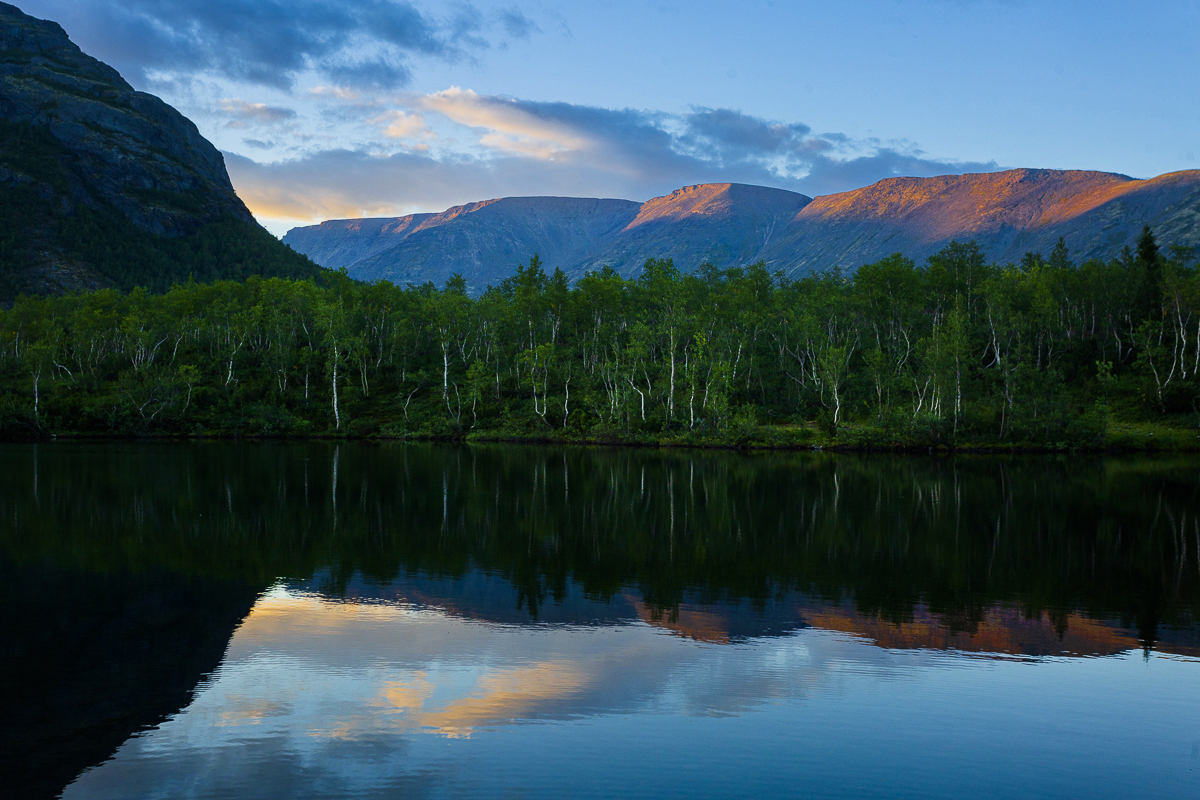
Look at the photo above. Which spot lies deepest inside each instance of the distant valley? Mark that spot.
(1008, 213)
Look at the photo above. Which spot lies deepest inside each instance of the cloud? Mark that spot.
(367, 43)
(244, 114)
(336, 93)
(532, 148)
(397, 124)
(516, 24)
(355, 141)
(374, 73)
(507, 124)
(728, 135)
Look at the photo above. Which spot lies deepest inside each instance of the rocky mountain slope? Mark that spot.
(724, 223)
(1007, 213)
(484, 241)
(102, 185)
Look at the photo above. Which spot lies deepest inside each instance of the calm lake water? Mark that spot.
(382, 621)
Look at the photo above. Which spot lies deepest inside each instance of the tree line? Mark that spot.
(951, 351)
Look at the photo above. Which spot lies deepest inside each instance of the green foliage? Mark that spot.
(952, 353)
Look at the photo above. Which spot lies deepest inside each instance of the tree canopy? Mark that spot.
(952, 351)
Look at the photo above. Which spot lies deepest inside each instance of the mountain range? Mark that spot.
(1007, 213)
(102, 185)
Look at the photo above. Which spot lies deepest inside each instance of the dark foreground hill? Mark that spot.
(101, 185)
(1007, 213)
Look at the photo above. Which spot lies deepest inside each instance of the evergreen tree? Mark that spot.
(1149, 261)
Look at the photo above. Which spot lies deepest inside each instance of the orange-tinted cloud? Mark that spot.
(510, 126)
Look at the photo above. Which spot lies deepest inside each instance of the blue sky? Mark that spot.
(376, 107)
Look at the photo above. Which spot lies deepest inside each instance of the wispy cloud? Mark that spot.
(516, 24)
(506, 124)
(244, 114)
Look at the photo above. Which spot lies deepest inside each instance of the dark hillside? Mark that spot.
(104, 186)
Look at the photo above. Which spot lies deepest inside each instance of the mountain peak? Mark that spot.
(46, 40)
(955, 205)
(719, 200)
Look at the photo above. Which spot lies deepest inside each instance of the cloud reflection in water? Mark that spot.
(370, 698)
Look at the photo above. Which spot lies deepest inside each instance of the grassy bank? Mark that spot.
(1176, 436)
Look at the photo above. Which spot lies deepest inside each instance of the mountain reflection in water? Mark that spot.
(452, 590)
(1001, 630)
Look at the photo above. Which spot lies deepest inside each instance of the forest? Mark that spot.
(954, 352)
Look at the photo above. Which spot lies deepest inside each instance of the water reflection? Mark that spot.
(418, 594)
(325, 698)
(1001, 630)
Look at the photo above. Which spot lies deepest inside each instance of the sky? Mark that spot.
(349, 108)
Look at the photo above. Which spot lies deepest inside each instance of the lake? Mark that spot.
(267, 620)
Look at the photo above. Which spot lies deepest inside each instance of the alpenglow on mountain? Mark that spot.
(102, 185)
(1008, 213)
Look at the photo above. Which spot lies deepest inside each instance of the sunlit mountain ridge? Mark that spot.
(1008, 213)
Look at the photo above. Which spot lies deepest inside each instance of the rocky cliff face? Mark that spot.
(1007, 213)
(81, 149)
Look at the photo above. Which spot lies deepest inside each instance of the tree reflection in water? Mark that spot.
(128, 566)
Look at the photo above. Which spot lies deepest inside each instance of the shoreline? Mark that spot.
(1128, 448)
